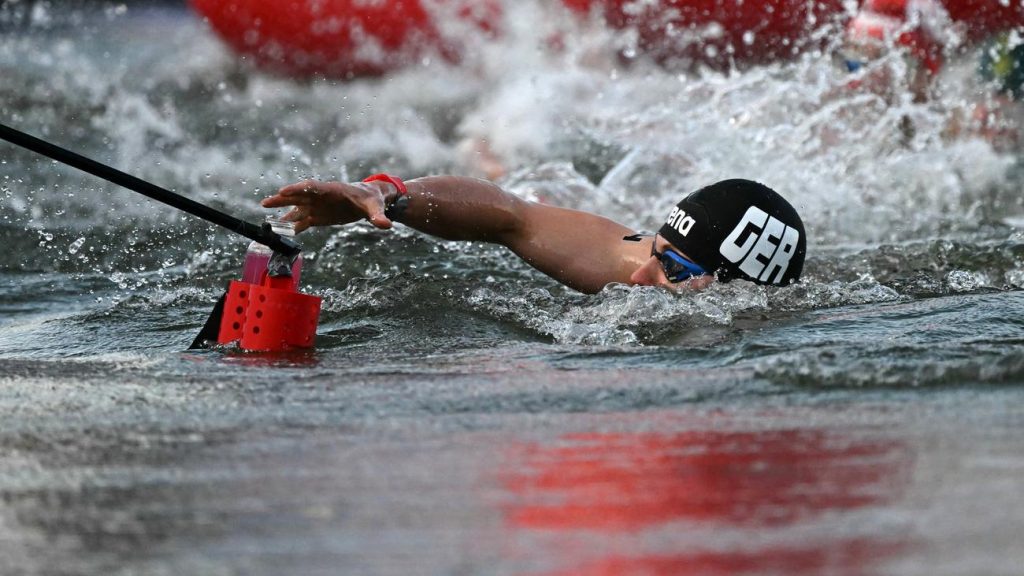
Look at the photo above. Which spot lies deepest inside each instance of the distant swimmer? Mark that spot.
(734, 229)
(921, 29)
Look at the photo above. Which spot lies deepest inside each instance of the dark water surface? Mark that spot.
(462, 414)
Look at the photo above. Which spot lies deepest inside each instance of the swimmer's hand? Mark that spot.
(328, 203)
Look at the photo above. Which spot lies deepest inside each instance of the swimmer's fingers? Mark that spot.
(300, 217)
(380, 220)
(325, 203)
(308, 188)
(299, 194)
(303, 186)
(278, 200)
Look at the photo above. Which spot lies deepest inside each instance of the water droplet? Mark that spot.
(76, 246)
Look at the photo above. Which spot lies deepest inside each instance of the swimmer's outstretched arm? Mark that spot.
(582, 250)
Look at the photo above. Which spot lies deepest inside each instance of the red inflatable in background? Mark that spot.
(341, 38)
(717, 33)
(349, 38)
(983, 18)
(723, 33)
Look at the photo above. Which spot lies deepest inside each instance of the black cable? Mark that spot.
(263, 235)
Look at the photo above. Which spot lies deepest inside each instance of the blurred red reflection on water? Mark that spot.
(616, 486)
(624, 482)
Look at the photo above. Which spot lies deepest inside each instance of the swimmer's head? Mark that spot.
(739, 229)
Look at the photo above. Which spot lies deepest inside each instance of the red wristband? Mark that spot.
(396, 181)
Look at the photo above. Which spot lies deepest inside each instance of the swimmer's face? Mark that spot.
(652, 273)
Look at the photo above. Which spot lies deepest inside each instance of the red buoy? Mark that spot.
(268, 317)
(342, 38)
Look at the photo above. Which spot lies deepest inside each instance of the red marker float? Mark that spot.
(269, 317)
(342, 38)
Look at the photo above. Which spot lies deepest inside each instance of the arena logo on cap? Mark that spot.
(764, 243)
(679, 220)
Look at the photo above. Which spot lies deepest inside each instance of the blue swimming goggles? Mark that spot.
(677, 268)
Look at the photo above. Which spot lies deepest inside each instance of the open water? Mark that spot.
(461, 413)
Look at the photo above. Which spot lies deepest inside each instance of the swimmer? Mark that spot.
(735, 229)
(922, 29)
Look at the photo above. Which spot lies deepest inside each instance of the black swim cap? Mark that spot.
(739, 229)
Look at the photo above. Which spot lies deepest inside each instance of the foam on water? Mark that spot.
(842, 156)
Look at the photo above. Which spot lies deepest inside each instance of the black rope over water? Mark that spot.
(264, 235)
